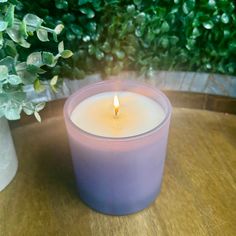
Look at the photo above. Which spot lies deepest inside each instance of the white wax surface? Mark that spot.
(137, 114)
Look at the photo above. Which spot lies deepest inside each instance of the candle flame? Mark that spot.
(116, 105)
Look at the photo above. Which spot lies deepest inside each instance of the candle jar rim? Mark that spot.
(86, 88)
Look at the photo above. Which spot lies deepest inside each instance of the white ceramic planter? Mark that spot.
(8, 159)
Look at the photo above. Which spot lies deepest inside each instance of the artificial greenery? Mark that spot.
(113, 35)
(108, 36)
(21, 64)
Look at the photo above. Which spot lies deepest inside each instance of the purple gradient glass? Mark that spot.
(118, 176)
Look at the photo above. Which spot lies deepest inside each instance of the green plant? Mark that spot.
(20, 63)
(112, 35)
(108, 36)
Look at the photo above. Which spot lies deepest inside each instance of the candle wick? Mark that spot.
(116, 111)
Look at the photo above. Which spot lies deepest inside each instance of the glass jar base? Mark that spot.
(119, 209)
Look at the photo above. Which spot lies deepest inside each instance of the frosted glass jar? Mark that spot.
(118, 176)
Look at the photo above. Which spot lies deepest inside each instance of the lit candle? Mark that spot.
(104, 114)
(116, 105)
(118, 134)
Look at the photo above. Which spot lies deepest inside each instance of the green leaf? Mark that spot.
(14, 79)
(131, 8)
(173, 40)
(68, 17)
(24, 43)
(38, 87)
(53, 81)
(185, 8)
(140, 18)
(99, 54)
(42, 35)
(9, 17)
(3, 72)
(232, 46)
(9, 62)
(10, 48)
(34, 69)
(21, 66)
(119, 54)
(161, 12)
(188, 6)
(77, 30)
(138, 31)
(58, 29)
(106, 47)
(137, 2)
(86, 38)
(18, 96)
(32, 22)
(14, 33)
(40, 106)
(190, 43)
(12, 112)
(2, 1)
(48, 58)
(165, 27)
(88, 12)
(54, 37)
(164, 42)
(211, 4)
(22, 29)
(226, 33)
(109, 58)
(196, 32)
(66, 54)
(37, 116)
(61, 47)
(91, 49)
(3, 25)
(28, 108)
(61, 4)
(225, 18)
(27, 77)
(35, 58)
(82, 2)
(208, 24)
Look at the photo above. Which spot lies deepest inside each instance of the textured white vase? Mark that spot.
(8, 159)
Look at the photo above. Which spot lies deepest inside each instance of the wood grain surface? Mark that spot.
(198, 194)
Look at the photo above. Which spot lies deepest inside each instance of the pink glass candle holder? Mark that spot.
(118, 176)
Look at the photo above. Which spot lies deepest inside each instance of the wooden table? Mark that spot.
(198, 195)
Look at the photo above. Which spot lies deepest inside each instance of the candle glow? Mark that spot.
(105, 114)
(116, 104)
